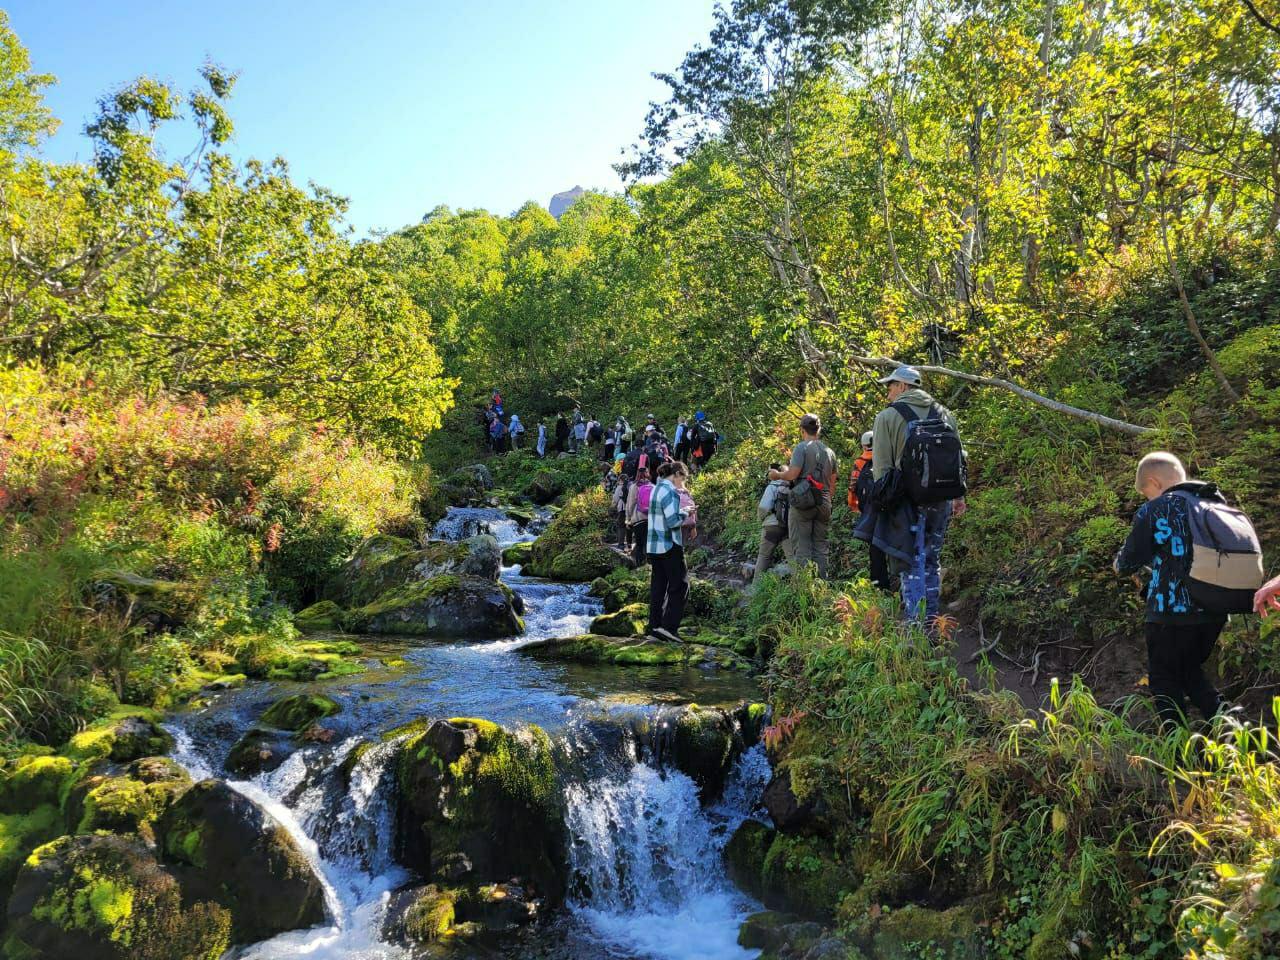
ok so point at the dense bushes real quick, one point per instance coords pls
(125, 518)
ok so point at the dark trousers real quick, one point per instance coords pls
(880, 570)
(668, 589)
(1176, 653)
(639, 534)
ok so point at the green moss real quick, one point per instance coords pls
(744, 856)
(517, 553)
(127, 733)
(914, 931)
(804, 874)
(35, 781)
(627, 651)
(22, 833)
(299, 711)
(630, 621)
(704, 748)
(431, 916)
(320, 617)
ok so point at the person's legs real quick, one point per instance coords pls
(821, 523)
(935, 530)
(769, 538)
(639, 536)
(880, 569)
(800, 532)
(1163, 642)
(912, 578)
(677, 589)
(1195, 682)
(658, 574)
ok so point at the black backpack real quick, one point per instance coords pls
(704, 438)
(632, 462)
(933, 466)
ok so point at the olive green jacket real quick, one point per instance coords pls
(889, 433)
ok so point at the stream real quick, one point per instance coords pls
(646, 878)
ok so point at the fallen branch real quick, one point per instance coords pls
(1111, 423)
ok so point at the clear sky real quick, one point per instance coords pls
(399, 105)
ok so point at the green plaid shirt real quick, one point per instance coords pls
(665, 518)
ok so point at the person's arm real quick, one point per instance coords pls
(886, 442)
(1267, 600)
(671, 511)
(1138, 550)
(793, 470)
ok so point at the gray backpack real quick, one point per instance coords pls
(1226, 557)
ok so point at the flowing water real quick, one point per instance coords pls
(647, 880)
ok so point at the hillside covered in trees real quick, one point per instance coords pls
(223, 417)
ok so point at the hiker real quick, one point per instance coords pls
(610, 444)
(579, 430)
(1267, 600)
(595, 434)
(656, 447)
(651, 421)
(639, 497)
(668, 576)
(773, 511)
(516, 429)
(498, 435)
(925, 513)
(812, 475)
(562, 433)
(861, 483)
(681, 440)
(626, 435)
(618, 505)
(1187, 602)
(497, 402)
(542, 439)
(703, 440)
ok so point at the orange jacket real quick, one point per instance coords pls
(862, 463)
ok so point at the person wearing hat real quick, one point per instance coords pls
(812, 460)
(922, 576)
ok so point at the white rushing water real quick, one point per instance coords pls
(648, 853)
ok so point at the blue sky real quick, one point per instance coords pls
(398, 105)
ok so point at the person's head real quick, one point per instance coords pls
(675, 471)
(810, 425)
(649, 430)
(866, 440)
(1157, 472)
(699, 416)
(900, 381)
(650, 418)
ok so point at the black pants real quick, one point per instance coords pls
(668, 589)
(639, 534)
(880, 570)
(1176, 653)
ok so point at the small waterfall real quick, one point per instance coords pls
(646, 859)
(458, 523)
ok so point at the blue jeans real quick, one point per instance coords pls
(922, 580)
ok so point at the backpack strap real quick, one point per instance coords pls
(905, 411)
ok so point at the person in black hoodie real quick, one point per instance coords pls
(562, 432)
(1180, 634)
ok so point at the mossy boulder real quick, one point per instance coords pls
(517, 554)
(34, 781)
(20, 833)
(630, 621)
(797, 874)
(744, 856)
(323, 617)
(148, 602)
(232, 853)
(545, 487)
(447, 606)
(125, 804)
(299, 711)
(772, 929)
(704, 747)
(632, 651)
(259, 750)
(482, 802)
(581, 562)
(122, 737)
(913, 931)
(379, 563)
(104, 897)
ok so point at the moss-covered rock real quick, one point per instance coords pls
(446, 606)
(744, 856)
(704, 748)
(126, 735)
(632, 651)
(20, 833)
(630, 621)
(234, 854)
(751, 718)
(384, 563)
(323, 617)
(545, 487)
(148, 602)
(580, 562)
(517, 554)
(105, 897)
(299, 711)
(126, 804)
(771, 929)
(259, 750)
(914, 931)
(468, 788)
(33, 781)
(436, 914)
(797, 874)
(580, 529)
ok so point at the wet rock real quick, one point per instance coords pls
(20, 833)
(629, 621)
(581, 562)
(446, 606)
(751, 719)
(471, 787)
(744, 856)
(788, 813)
(479, 474)
(796, 874)
(909, 931)
(149, 602)
(233, 854)
(126, 804)
(704, 748)
(259, 750)
(435, 913)
(121, 738)
(105, 897)
(632, 651)
(517, 554)
(299, 711)
(771, 929)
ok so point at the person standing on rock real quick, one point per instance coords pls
(812, 475)
(668, 576)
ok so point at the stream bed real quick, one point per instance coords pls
(646, 874)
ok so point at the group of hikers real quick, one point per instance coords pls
(907, 485)
(692, 444)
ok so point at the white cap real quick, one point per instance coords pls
(866, 439)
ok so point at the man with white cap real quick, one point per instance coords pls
(922, 578)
